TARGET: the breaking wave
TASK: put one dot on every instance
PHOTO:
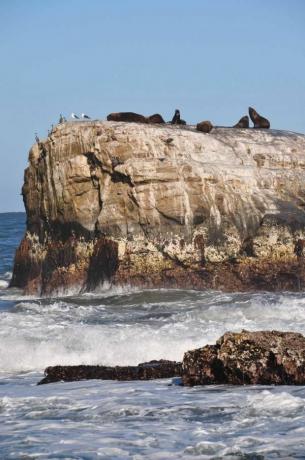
(139, 420)
(133, 327)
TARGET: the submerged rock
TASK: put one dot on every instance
(144, 371)
(154, 205)
(263, 357)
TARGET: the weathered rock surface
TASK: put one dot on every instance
(163, 206)
(144, 371)
(264, 357)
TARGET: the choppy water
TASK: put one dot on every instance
(136, 420)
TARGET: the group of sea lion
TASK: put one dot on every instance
(258, 120)
(204, 126)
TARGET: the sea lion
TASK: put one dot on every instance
(204, 126)
(176, 120)
(243, 122)
(127, 116)
(155, 118)
(258, 120)
(176, 117)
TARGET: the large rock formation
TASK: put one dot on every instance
(163, 206)
(263, 357)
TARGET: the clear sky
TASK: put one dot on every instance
(211, 59)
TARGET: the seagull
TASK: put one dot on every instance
(74, 116)
(85, 116)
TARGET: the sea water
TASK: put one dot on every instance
(137, 420)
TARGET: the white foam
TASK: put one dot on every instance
(102, 291)
(109, 290)
(268, 403)
(3, 284)
(16, 295)
(157, 421)
(127, 329)
(64, 292)
(204, 448)
(80, 344)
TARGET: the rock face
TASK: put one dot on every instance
(266, 357)
(145, 371)
(163, 206)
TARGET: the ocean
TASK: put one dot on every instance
(137, 420)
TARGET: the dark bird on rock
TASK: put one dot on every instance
(37, 138)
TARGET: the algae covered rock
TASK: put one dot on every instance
(262, 357)
(144, 371)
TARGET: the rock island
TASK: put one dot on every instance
(163, 206)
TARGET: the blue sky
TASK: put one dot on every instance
(210, 59)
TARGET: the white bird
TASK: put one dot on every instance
(85, 116)
(74, 116)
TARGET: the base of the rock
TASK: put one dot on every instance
(85, 265)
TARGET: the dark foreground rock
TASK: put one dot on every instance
(144, 371)
(263, 357)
